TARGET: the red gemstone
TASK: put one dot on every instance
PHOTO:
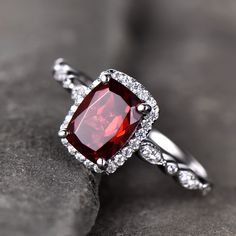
(104, 121)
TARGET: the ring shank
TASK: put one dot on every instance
(183, 158)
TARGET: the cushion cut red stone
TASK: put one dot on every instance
(104, 122)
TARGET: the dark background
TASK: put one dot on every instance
(183, 51)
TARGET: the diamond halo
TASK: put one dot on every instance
(139, 135)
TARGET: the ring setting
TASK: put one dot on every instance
(108, 121)
(112, 118)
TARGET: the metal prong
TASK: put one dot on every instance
(62, 133)
(105, 78)
(102, 164)
(144, 108)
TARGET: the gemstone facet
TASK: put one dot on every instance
(105, 121)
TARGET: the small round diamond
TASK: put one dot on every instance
(119, 160)
(141, 134)
(68, 118)
(73, 108)
(135, 87)
(80, 157)
(71, 150)
(120, 77)
(171, 168)
(151, 101)
(144, 95)
(135, 144)
(153, 115)
(64, 125)
(79, 90)
(60, 72)
(126, 80)
(147, 125)
(78, 100)
(127, 152)
(66, 83)
(89, 164)
(64, 141)
(111, 167)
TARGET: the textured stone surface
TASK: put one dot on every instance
(42, 190)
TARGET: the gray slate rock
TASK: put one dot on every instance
(43, 191)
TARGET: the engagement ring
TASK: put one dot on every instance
(112, 118)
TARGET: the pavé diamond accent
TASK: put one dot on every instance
(135, 144)
(60, 72)
(111, 168)
(188, 179)
(78, 91)
(127, 152)
(79, 157)
(119, 160)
